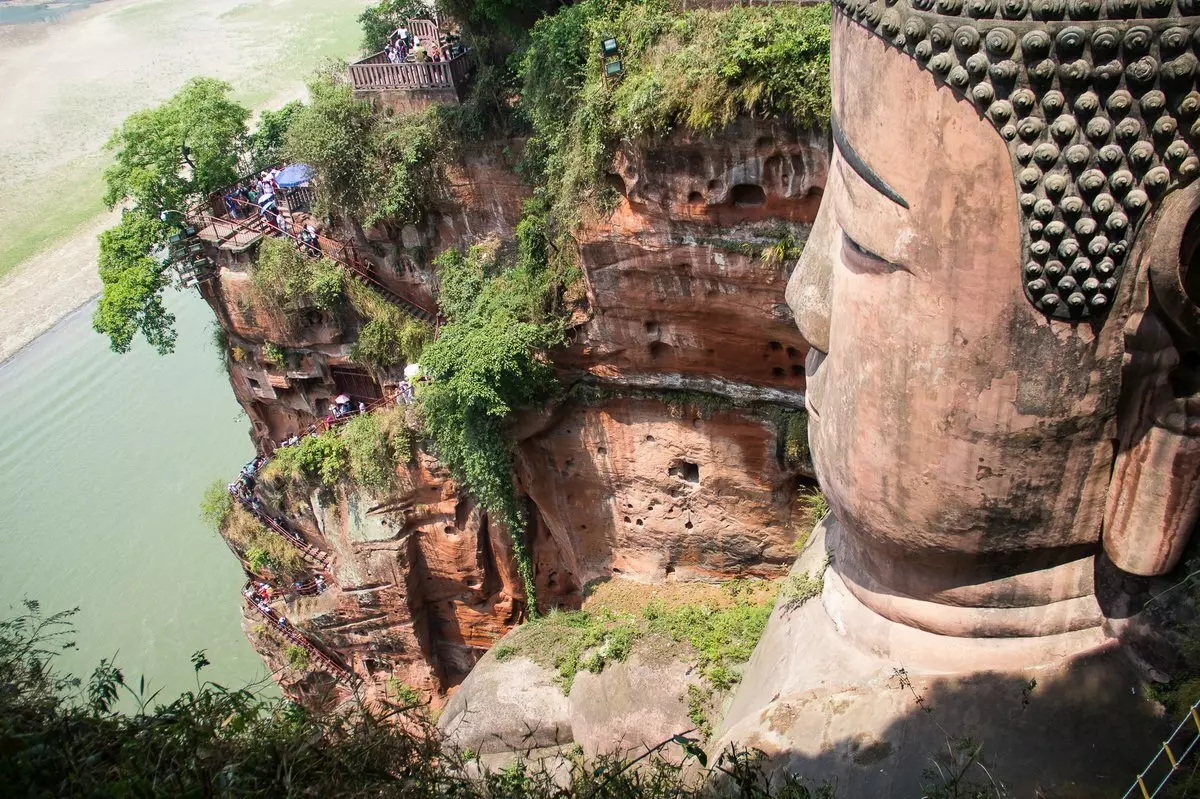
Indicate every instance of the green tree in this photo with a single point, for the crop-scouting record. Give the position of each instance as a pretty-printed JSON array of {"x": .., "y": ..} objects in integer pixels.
[
  {"x": 132, "y": 280},
  {"x": 267, "y": 140},
  {"x": 334, "y": 134},
  {"x": 172, "y": 155},
  {"x": 166, "y": 158},
  {"x": 378, "y": 21}
]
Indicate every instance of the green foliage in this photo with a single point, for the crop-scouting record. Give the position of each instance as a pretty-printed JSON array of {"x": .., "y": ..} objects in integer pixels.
[
  {"x": 506, "y": 17},
  {"x": 503, "y": 652},
  {"x": 63, "y": 737},
  {"x": 784, "y": 247},
  {"x": 132, "y": 281},
  {"x": 259, "y": 560},
  {"x": 263, "y": 550},
  {"x": 699, "y": 699},
  {"x": 491, "y": 359},
  {"x": 378, "y": 21},
  {"x": 719, "y": 639},
  {"x": 322, "y": 458},
  {"x": 575, "y": 640},
  {"x": 411, "y": 150},
  {"x": 811, "y": 508},
  {"x": 272, "y": 354},
  {"x": 285, "y": 281},
  {"x": 267, "y": 141},
  {"x": 390, "y": 336},
  {"x": 795, "y": 438},
  {"x": 404, "y": 694},
  {"x": 333, "y": 134},
  {"x": 297, "y": 657},
  {"x": 800, "y": 588},
  {"x": 960, "y": 773},
  {"x": 149, "y": 166},
  {"x": 697, "y": 68},
  {"x": 369, "y": 167},
  {"x": 371, "y": 457},
  {"x": 216, "y": 505}
]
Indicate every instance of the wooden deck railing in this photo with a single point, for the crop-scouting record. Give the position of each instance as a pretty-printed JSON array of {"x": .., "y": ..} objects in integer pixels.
[{"x": 376, "y": 73}]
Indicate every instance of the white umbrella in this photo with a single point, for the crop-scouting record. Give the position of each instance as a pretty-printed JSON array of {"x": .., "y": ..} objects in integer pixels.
[
  {"x": 341, "y": 398},
  {"x": 412, "y": 370}
]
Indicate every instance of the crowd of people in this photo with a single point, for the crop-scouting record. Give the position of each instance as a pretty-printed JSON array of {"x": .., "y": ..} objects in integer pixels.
[
  {"x": 404, "y": 47},
  {"x": 260, "y": 196}
]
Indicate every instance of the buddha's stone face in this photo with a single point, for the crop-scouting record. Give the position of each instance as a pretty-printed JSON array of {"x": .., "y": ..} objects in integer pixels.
[{"x": 965, "y": 440}]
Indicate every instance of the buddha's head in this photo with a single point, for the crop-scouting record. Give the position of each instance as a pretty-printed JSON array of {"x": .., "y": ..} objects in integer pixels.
[{"x": 1005, "y": 347}]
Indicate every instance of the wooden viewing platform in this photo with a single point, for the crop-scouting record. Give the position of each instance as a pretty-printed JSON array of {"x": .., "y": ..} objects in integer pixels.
[
  {"x": 377, "y": 73},
  {"x": 412, "y": 85}
]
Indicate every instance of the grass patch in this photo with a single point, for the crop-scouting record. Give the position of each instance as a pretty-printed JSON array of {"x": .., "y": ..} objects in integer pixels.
[
  {"x": 263, "y": 550},
  {"x": 718, "y": 629},
  {"x": 811, "y": 508},
  {"x": 799, "y": 588},
  {"x": 699, "y": 69}
]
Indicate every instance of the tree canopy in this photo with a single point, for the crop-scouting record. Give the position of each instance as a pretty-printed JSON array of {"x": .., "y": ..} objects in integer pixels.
[
  {"x": 183, "y": 149},
  {"x": 165, "y": 159}
]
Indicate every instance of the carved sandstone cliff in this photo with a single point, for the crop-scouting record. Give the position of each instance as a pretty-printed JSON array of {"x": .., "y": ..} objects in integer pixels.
[{"x": 667, "y": 459}]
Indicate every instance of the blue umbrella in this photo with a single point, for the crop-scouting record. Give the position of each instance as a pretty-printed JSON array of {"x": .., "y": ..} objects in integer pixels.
[{"x": 294, "y": 175}]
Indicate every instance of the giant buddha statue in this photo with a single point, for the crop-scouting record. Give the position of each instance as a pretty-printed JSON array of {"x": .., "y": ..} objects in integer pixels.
[{"x": 1001, "y": 293}]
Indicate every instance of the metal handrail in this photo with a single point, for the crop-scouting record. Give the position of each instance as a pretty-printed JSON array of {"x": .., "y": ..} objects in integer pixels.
[
  {"x": 1175, "y": 751},
  {"x": 342, "y": 255}
]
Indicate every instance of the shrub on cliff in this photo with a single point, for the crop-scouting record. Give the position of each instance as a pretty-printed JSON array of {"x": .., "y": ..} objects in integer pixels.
[
  {"x": 698, "y": 68},
  {"x": 390, "y": 336},
  {"x": 369, "y": 167},
  {"x": 288, "y": 283},
  {"x": 322, "y": 458}
]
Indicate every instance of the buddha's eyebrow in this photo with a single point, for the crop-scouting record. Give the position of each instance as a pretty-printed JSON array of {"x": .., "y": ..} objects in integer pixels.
[{"x": 860, "y": 166}]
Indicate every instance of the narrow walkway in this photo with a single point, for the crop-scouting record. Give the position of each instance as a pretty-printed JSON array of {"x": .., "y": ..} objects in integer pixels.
[
  {"x": 285, "y": 628},
  {"x": 259, "y": 225},
  {"x": 314, "y": 556}
]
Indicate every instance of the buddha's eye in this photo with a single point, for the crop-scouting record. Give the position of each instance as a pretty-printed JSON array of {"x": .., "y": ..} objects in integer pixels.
[{"x": 859, "y": 259}]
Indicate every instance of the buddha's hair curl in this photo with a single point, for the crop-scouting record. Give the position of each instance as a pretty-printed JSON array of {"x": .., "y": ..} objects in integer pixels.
[{"x": 1097, "y": 101}]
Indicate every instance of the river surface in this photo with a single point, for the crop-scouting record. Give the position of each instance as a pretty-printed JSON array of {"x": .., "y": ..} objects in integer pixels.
[
  {"x": 104, "y": 461},
  {"x": 105, "y": 457}
]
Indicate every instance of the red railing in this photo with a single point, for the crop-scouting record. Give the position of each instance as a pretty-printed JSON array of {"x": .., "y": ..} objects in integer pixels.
[
  {"x": 334, "y": 421},
  {"x": 289, "y": 631},
  {"x": 315, "y": 557},
  {"x": 338, "y": 252}
]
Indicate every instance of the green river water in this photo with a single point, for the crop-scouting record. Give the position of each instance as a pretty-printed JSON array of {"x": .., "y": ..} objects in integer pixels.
[
  {"x": 105, "y": 457},
  {"x": 103, "y": 464}
]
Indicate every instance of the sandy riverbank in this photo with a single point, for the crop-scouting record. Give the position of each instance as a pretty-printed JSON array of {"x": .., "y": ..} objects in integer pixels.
[{"x": 70, "y": 82}]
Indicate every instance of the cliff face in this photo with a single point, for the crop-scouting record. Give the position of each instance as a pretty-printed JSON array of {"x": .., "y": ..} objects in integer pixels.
[{"x": 667, "y": 458}]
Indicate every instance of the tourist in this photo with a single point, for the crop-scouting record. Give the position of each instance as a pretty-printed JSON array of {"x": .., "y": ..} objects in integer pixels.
[
  {"x": 320, "y": 584},
  {"x": 362, "y": 407},
  {"x": 231, "y": 205}
]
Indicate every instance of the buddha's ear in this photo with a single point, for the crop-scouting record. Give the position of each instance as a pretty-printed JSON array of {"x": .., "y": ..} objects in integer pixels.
[
  {"x": 1154, "y": 497},
  {"x": 1172, "y": 238}
]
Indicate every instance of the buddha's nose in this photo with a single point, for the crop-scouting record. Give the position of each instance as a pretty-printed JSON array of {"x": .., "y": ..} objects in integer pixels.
[{"x": 808, "y": 289}]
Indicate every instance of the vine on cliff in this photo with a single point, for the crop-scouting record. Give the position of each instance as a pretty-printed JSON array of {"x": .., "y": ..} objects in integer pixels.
[{"x": 505, "y": 313}]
